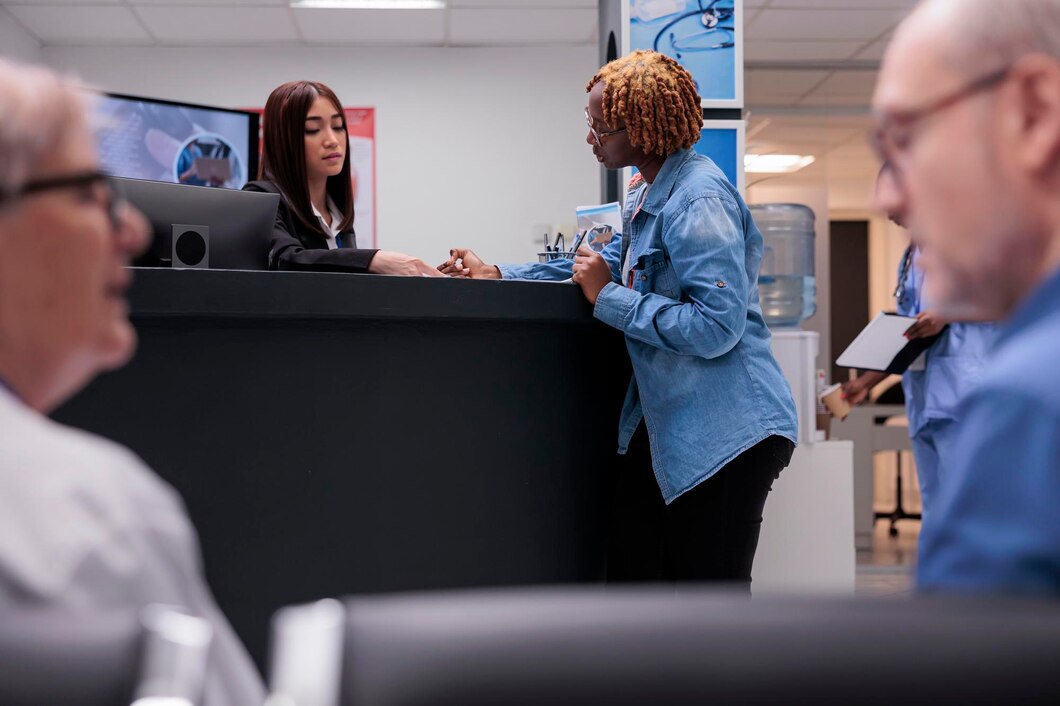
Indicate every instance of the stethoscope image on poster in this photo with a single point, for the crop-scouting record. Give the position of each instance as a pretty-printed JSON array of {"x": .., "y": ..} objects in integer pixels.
[{"x": 702, "y": 35}]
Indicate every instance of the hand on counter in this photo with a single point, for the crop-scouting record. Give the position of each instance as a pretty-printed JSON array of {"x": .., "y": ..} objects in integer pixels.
[
  {"x": 591, "y": 272},
  {"x": 465, "y": 263},
  {"x": 387, "y": 262}
]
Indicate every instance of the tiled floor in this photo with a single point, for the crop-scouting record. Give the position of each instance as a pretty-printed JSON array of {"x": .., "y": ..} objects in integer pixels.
[{"x": 887, "y": 569}]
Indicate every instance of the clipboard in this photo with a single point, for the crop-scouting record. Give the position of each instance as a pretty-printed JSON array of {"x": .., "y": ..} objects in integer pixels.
[{"x": 882, "y": 345}]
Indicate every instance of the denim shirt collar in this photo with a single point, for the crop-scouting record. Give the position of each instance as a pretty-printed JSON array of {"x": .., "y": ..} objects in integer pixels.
[
  {"x": 665, "y": 180},
  {"x": 1042, "y": 301}
]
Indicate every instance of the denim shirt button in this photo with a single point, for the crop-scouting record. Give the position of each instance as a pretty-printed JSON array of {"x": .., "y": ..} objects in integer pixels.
[
  {"x": 644, "y": 278},
  {"x": 719, "y": 284}
]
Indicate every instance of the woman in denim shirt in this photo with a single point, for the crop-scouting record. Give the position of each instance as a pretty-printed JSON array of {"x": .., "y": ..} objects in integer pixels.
[{"x": 709, "y": 421}]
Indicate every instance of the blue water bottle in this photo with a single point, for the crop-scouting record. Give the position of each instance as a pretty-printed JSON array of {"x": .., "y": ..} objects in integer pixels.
[{"x": 786, "y": 284}]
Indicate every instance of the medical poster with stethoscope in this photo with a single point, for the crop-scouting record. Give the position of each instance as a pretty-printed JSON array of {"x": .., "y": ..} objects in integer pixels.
[{"x": 705, "y": 36}]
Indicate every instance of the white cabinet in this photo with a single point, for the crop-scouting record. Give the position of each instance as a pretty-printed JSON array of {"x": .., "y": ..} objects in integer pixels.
[{"x": 807, "y": 542}]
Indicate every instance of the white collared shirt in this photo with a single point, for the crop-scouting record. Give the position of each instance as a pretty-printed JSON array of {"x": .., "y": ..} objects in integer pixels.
[
  {"x": 336, "y": 220},
  {"x": 85, "y": 525}
]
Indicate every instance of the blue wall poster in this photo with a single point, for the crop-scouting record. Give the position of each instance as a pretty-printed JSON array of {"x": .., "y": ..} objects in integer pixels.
[
  {"x": 722, "y": 141},
  {"x": 706, "y": 36}
]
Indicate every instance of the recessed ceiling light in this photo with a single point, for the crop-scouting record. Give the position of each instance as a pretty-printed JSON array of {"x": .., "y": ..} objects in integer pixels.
[
  {"x": 370, "y": 4},
  {"x": 775, "y": 163}
]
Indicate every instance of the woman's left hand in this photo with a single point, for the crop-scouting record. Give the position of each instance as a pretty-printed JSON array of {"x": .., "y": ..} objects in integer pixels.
[{"x": 591, "y": 272}]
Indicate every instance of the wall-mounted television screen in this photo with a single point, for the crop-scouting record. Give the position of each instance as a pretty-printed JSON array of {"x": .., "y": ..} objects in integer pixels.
[{"x": 147, "y": 138}]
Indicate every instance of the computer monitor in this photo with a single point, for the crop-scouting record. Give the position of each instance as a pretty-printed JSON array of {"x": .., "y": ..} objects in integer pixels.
[
  {"x": 148, "y": 138},
  {"x": 233, "y": 226},
  {"x": 654, "y": 645}
]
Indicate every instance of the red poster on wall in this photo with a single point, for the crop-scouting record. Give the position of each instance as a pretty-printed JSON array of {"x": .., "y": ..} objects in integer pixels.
[{"x": 360, "y": 125}]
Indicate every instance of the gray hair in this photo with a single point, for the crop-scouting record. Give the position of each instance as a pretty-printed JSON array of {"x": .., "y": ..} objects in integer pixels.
[
  {"x": 993, "y": 34},
  {"x": 37, "y": 107}
]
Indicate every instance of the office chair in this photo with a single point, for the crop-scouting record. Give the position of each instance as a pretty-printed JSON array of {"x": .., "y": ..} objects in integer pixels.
[{"x": 649, "y": 646}]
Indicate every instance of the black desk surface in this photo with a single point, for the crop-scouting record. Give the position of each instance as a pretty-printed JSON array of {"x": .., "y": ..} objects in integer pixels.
[
  {"x": 335, "y": 434},
  {"x": 304, "y": 295}
]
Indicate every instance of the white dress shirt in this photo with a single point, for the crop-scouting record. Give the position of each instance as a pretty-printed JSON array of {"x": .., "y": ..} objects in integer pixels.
[
  {"x": 85, "y": 525},
  {"x": 330, "y": 230}
]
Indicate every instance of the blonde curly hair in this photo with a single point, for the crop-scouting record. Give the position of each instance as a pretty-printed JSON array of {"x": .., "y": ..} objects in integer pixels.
[{"x": 656, "y": 100}]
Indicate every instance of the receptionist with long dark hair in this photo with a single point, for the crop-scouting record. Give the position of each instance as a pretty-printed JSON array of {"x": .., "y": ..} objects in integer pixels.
[{"x": 306, "y": 160}]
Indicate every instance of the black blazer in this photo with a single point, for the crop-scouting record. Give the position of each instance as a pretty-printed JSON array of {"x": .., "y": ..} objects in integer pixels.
[{"x": 294, "y": 246}]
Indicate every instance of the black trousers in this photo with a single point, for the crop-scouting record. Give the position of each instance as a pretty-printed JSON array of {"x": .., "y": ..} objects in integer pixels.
[{"x": 710, "y": 533}]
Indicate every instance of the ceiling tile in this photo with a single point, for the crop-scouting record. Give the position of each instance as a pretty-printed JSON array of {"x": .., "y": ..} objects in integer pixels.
[
  {"x": 783, "y": 83},
  {"x": 764, "y": 50},
  {"x": 528, "y": 4},
  {"x": 824, "y": 100},
  {"x": 845, "y": 4},
  {"x": 805, "y": 135},
  {"x": 758, "y": 101},
  {"x": 873, "y": 51},
  {"x": 211, "y": 3},
  {"x": 419, "y": 27},
  {"x": 81, "y": 24},
  {"x": 62, "y": 2},
  {"x": 849, "y": 83},
  {"x": 522, "y": 26},
  {"x": 834, "y": 25},
  {"x": 218, "y": 25}
]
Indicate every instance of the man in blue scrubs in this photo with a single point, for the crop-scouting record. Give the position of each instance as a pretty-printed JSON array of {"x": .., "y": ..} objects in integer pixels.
[
  {"x": 968, "y": 109},
  {"x": 935, "y": 383}
]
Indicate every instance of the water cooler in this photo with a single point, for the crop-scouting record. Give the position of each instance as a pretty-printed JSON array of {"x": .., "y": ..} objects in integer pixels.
[
  {"x": 786, "y": 288},
  {"x": 807, "y": 540}
]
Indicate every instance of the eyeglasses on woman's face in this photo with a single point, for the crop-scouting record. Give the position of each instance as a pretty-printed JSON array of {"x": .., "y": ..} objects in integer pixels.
[{"x": 598, "y": 137}]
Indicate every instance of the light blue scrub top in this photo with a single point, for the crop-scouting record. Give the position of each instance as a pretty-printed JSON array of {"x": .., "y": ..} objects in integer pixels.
[
  {"x": 952, "y": 365},
  {"x": 995, "y": 525}
]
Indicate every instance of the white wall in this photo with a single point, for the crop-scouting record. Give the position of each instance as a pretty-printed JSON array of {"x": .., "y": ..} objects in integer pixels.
[
  {"x": 15, "y": 42},
  {"x": 474, "y": 146}
]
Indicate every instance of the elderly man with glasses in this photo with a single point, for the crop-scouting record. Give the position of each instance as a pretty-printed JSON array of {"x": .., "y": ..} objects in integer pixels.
[
  {"x": 84, "y": 525},
  {"x": 968, "y": 110}
]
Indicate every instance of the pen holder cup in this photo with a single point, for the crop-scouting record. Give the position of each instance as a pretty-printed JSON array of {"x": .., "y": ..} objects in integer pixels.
[{"x": 550, "y": 256}]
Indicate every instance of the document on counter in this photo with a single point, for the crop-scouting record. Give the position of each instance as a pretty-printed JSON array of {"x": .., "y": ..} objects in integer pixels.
[{"x": 882, "y": 345}]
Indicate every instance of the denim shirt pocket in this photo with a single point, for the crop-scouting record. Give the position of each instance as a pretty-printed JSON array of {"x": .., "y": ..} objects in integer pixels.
[{"x": 655, "y": 275}]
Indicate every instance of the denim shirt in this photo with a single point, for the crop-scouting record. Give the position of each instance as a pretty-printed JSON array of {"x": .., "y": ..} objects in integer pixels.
[
  {"x": 704, "y": 378},
  {"x": 953, "y": 364}
]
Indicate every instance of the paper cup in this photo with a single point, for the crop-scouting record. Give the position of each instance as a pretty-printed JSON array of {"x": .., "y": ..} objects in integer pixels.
[{"x": 833, "y": 400}]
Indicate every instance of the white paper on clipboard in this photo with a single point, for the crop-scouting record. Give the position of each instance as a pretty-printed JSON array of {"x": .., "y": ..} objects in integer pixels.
[{"x": 878, "y": 343}]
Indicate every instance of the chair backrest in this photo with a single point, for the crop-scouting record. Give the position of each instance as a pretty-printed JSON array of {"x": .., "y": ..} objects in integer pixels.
[
  {"x": 68, "y": 659},
  {"x": 645, "y": 646}
]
